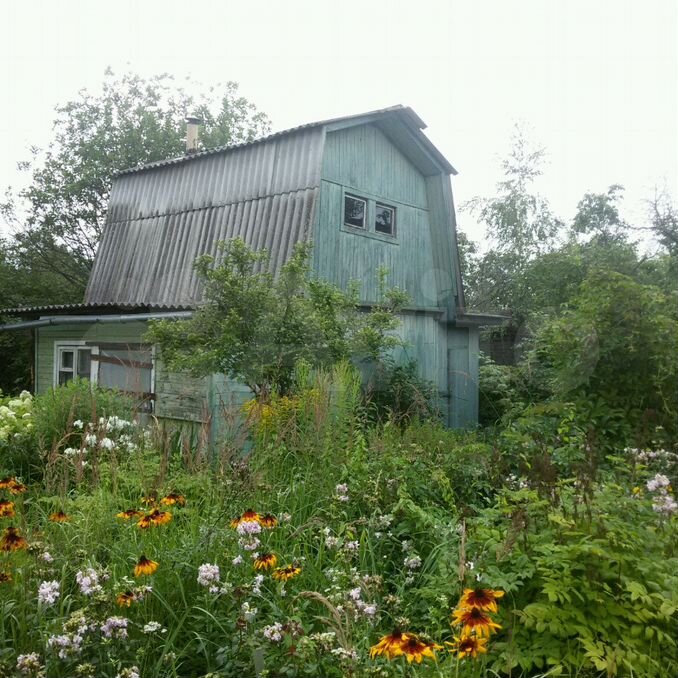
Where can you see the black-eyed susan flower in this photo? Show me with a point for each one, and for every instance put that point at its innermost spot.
(6, 482)
(173, 499)
(59, 517)
(7, 509)
(150, 499)
(474, 619)
(468, 646)
(286, 573)
(415, 649)
(125, 599)
(265, 561)
(129, 514)
(248, 516)
(483, 599)
(390, 646)
(155, 517)
(268, 521)
(16, 487)
(12, 540)
(5, 577)
(145, 566)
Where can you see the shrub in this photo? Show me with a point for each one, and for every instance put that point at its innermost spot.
(397, 392)
(77, 401)
(17, 435)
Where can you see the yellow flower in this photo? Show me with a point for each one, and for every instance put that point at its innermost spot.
(155, 517)
(129, 514)
(390, 646)
(16, 487)
(149, 500)
(265, 561)
(172, 499)
(12, 540)
(12, 484)
(468, 646)
(416, 649)
(145, 566)
(125, 599)
(7, 509)
(474, 619)
(286, 573)
(249, 516)
(268, 520)
(483, 599)
(59, 517)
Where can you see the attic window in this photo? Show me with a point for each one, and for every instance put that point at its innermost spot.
(355, 210)
(384, 219)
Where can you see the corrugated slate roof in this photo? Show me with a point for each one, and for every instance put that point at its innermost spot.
(162, 216)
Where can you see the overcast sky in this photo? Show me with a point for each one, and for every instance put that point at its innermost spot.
(597, 81)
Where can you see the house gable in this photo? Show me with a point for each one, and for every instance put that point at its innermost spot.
(366, 161)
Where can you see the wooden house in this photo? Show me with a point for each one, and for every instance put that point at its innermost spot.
(368, 190)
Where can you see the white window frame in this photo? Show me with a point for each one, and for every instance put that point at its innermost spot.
(60, 346)
(364, 201)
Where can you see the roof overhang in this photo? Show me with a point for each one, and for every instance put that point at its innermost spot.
(472, 319)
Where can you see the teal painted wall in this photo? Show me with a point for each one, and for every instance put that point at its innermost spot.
(362, 161)
(178, 396)
(463, 354)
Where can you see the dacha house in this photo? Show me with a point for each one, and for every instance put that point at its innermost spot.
(367, 190)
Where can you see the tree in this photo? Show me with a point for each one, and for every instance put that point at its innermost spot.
(255, 328)
(59, 216)
(521, 226)
(616, 342)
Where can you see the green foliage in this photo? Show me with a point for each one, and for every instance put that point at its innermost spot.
(17, 433)
(591, 581)
(56, 411)
(131, 121)
(397, 392)
(256, 328)
(616, 342)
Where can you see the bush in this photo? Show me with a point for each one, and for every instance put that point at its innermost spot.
(78, 401)
(17, 434)
(397, 392)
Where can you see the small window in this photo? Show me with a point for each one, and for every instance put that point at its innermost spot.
(74, 362)
(384, 219)
(354, 211)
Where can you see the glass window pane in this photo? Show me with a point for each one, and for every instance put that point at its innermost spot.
(354, 212)
(67, 359)
(130, 370)
(384, 218)
(84, 363)
(65, 377)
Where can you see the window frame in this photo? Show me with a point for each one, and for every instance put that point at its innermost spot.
(366, 216)
(75, 346)
(371, 201)
(377, 205)
(94, 349)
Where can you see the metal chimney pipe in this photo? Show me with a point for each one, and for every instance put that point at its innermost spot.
(192, 125)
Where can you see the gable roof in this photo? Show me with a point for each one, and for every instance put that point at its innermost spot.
(404, 113)
(163, 215)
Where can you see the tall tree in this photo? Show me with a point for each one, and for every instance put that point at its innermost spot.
(59, 216)
(520, 224)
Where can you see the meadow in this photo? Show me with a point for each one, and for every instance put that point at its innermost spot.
(336, 546)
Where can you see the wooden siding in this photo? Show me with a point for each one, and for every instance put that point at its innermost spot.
(363, 161)
(463, 356)
(178, 396)
(363, 158)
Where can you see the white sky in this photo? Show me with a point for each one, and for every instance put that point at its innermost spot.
(596, 80)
